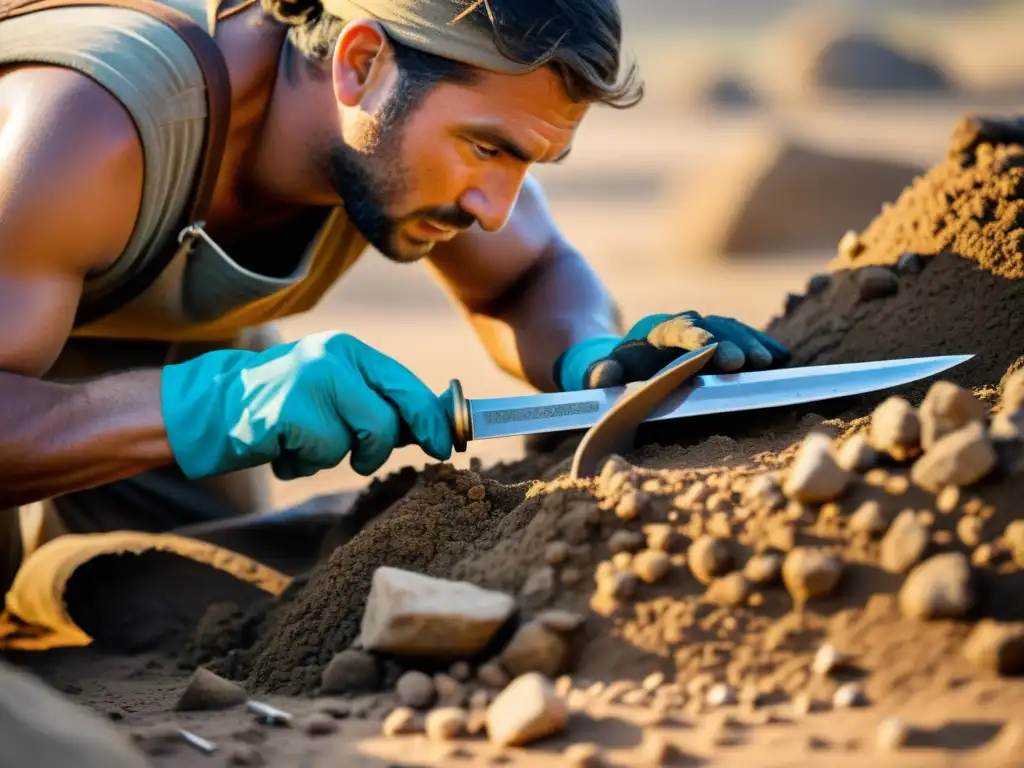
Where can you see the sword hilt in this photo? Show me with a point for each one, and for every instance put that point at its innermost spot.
(460, 419)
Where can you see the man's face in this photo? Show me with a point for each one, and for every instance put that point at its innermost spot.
(411, 179)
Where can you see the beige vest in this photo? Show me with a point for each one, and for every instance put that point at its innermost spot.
(202, 294)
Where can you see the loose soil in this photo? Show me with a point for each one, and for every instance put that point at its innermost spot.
(758, 638)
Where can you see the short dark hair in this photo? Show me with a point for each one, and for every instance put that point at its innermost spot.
(581, 40)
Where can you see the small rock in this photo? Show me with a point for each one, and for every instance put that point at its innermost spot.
(653, 681)
(535, 649)
(557, 620)
(721, 695)
(904, 544)
(445, 723)
(891, 735)
(350, 672)
(811, 573)
(856, 454)
(815, 476)
(461, 671)
(849, 695)
(410, 613)
(948, 499)
(319, 724)
(571, 577)
(909, 263)
(415, 689)
(762, 489)
(876, 283)
(539, 586)
(206, 691)
(619, 586)
(492, 675)
(401, 720)
(660, 536)
(827, 659)
(895, 429)
(245, 755)
(945, 409)
(868, 520)
(996, 646)
(651, 565)
(818, 283)
(850, 245)
(763, 569)
(959, 458)
(556, 552)
(614, 474)
(730, 590)
(527, 710)
(969, 530)
(695, 494)
(625, 541)
(708, 558)
(476, 493)
(450, 692)
(586, 755)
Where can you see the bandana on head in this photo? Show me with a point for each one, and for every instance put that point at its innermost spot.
(433, 26)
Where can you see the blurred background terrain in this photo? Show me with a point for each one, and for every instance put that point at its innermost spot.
(769, 129)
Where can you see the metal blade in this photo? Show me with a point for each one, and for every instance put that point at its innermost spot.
(703, 395)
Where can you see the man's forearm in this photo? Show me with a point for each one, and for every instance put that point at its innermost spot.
(59, 438)
(559, 302)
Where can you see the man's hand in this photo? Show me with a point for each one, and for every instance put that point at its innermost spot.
(301, 406)
(657, 340)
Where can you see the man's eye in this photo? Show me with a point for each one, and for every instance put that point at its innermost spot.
(483, 152)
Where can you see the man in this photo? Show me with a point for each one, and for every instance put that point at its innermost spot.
(406, 125)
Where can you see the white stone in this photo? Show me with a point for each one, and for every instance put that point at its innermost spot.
(527, 710)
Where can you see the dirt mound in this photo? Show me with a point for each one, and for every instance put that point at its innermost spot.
(937, 272)
(871, 561)
(779, 195)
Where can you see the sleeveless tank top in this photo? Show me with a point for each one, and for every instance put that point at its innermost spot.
(203, 294)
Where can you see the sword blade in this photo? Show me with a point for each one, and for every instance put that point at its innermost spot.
(703, 395)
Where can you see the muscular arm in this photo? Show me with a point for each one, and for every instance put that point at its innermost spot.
(528, 293)
(70, 185)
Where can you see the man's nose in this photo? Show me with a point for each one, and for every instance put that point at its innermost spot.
(491, 200)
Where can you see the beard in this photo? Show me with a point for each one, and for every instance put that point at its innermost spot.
(373, 182)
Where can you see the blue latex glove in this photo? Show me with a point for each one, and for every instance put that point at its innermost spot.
(300, 406)
(657, 340)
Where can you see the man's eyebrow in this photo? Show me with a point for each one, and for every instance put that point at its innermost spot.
(509, 147)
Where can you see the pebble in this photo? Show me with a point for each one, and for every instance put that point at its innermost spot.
(948, 499)
(827, 659)
(818, 283)
(653, 681)
(996, 646)
(350, 672)
(856, 454)
(491, 674)
(480, 698)
(904, 544)
(561, 621)
(625, 541)
(556, 553)
(585, 755)
(415, 689)
(614, 475)
(815, 477)
(461, 671)
(910, 263)
(450, 692)
(764, 568)
(571, 577)
(620, 586)
(891, 735)
(849, 695)
(660, 536)
(868, 519)
(876, 283)
(729, 590)
(850, 244)
(401, 720)
(708, 558)
(245, 755)
(534, 648)
(411, 613)
(693, 495)
(445, 723)
(718, 502)
(651, 565)
(721, 695)
(208, 691)
(527, 710)
(320, 724)
(811, 573)
(969, 530)
(476, 493)
(895, 429)
(945, 409)
(938, 588)
(959, 458)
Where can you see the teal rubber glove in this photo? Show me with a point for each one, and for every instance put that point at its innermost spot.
(656, 340)
(301, 406)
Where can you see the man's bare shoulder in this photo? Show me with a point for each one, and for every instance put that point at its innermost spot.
(71, 169)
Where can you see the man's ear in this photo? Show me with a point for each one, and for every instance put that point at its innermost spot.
(361, 63)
